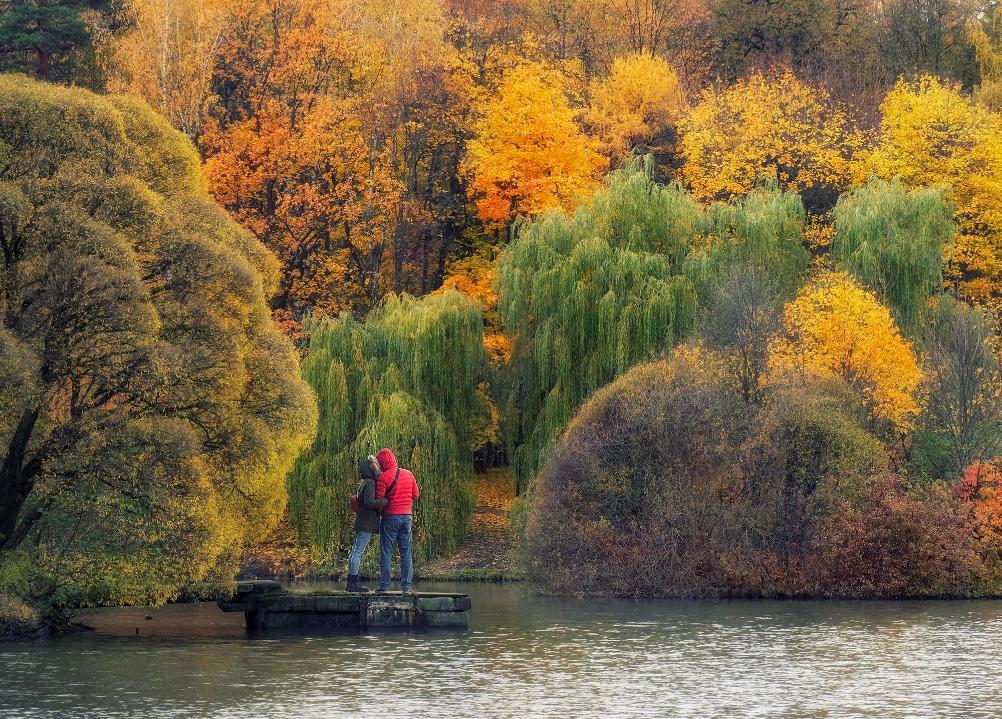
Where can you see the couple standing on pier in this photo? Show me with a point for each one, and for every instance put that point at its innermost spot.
(383, 506)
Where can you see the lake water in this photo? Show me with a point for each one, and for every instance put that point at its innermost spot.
(528, 656)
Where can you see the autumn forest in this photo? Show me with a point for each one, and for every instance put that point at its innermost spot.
(721, 276)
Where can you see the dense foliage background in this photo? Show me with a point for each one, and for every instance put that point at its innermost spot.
(474, 219)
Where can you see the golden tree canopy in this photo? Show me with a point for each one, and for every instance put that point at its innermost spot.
(529, 155)
(835, 328)
(767, 126)
(638, 100)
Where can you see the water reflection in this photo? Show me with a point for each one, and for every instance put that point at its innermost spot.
(526, 655)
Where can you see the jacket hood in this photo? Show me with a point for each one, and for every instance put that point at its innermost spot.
(386, 460)
(368, 469)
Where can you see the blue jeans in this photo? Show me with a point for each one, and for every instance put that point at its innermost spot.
(396, 529)
(361, 542)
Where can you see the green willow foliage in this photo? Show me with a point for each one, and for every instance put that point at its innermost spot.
(586, 298)
(892, 239)
(763, 232)
(405, 379)
(149, 408)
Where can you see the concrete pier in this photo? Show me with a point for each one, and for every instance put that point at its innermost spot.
(268, 606)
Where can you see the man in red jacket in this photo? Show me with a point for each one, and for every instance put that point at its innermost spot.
(400, 489)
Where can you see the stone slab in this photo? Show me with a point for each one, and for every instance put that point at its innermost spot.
(267, 606)
(455, 620)
(257, 586)
(443, 603)
(304, 621)
(336, 604)
(386, 615)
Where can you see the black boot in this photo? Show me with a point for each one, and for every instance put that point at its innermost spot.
(356, 586)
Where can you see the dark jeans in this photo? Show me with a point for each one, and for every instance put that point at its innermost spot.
(396, 529)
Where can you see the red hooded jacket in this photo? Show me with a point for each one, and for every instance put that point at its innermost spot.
(404, 492)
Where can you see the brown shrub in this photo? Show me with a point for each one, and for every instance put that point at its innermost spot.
(17, 619)
(895, 542)
(668, 484)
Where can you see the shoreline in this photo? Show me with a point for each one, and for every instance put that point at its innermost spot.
(43, 631)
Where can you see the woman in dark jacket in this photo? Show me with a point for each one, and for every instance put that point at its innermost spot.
(366, 520)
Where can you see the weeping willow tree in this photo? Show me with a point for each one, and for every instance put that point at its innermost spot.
(762, 232)
(892, 239)
(406, 379)
(586, 298)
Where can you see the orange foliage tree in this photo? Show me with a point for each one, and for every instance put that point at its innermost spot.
(529, 155)
(476, 276)
(289, 156)
(332, 130)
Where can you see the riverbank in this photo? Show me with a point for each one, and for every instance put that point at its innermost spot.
(487, 552)
(18, 620)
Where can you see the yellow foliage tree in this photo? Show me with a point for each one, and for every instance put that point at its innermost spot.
(835, 328)
(773, 127)
(167, 56)
(529, 155)
(988, 51)
(931, 134)
(639, 99)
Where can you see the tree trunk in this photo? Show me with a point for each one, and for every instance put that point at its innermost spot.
(398, 250)
(448, 233)
(16, 477)
(43, 63)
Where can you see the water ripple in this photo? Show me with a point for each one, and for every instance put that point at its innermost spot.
(527, 655)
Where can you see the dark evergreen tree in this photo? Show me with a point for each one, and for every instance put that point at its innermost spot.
(43, 36)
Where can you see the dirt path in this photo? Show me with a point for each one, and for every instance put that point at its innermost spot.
(487, 551)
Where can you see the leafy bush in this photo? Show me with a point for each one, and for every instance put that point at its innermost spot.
(17, 619)
(897, 543)
(149, 408)
(668, 483)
